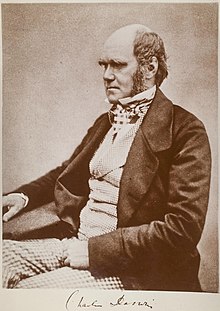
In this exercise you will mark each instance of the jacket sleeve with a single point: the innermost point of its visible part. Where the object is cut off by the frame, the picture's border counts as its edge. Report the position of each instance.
(41, 191)
(178, 234)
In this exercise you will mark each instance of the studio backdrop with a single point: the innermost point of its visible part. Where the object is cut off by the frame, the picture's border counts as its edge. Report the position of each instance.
(53, 89)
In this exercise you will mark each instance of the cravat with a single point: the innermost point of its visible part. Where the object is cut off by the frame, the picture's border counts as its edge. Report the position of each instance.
(120, 115)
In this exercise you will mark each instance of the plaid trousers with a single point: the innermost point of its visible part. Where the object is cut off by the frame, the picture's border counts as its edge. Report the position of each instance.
(39, 264)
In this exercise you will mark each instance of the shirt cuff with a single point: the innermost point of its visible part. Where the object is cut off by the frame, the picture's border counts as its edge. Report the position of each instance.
(22, 195)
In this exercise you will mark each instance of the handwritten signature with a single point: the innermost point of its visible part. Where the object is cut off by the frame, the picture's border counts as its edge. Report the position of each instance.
(76, 300)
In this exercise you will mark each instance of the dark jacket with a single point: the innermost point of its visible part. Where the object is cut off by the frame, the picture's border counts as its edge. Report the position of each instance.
(162, 203)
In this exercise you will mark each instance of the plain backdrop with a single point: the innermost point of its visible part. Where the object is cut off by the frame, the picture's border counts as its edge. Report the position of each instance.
(53, 90)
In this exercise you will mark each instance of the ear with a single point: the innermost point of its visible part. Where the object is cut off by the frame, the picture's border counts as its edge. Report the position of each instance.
(152, 68)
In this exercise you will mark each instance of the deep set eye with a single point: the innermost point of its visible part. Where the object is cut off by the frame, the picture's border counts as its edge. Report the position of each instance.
(104, 66)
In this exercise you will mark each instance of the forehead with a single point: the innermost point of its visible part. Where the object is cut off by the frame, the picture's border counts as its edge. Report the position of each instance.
(119, 48)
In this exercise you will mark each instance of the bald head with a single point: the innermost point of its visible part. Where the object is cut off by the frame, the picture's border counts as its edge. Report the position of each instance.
(125, 36)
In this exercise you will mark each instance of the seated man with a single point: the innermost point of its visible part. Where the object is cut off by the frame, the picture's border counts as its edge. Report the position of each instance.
(135, 191)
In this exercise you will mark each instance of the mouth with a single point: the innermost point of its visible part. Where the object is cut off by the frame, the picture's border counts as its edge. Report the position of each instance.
(111, 88)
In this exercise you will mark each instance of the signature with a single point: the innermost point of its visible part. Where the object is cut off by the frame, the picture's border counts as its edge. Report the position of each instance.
(80, 302)
(121, 301)
(76, 300)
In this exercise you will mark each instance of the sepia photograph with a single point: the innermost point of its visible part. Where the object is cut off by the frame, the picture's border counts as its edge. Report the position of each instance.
(110, 151)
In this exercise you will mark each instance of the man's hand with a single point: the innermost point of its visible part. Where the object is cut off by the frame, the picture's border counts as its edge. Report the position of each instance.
(76, 253)
(15, 203)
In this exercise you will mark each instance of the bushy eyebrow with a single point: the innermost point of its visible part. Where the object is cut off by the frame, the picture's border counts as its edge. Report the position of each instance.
(113, 62)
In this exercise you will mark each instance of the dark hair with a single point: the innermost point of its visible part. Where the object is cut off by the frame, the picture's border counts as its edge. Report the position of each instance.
(147, 45)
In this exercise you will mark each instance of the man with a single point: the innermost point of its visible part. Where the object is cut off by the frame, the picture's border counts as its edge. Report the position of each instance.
(135, 191)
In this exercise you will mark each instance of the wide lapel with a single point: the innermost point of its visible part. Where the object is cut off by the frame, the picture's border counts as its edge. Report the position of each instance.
(93, 142)
(71, 187)
(154, 135)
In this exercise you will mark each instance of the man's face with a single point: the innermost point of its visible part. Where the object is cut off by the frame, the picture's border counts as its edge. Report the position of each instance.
(119, 65)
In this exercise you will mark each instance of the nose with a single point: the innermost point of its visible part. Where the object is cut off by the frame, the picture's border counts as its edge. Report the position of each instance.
(108, 74)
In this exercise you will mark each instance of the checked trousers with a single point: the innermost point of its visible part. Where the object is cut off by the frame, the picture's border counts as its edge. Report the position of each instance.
(39, 264)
